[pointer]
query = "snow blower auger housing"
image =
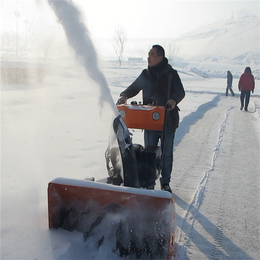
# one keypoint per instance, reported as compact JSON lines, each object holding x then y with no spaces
{"x":139,"y":222}
{"x":126,"y":217}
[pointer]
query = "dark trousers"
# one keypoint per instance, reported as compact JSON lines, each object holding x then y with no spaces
{"x":151,"y":137}
{"x":231,"y":90}
{"x":244,"y":96}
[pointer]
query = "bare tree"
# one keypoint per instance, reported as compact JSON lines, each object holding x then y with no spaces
{"x":119,"y":43}
{"x":172,"y":50}
{"x":43,"y":43}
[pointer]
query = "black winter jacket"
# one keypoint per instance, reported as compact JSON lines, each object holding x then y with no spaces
{"x":154,"y":84}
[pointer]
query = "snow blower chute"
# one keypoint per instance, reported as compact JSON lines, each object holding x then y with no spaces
{"x":123,"y":214}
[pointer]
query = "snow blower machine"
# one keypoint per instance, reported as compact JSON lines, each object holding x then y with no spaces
{"x":124,"y":213}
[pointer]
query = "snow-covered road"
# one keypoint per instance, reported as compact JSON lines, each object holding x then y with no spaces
{"x":216,"y":184}
{"x":57,"y":129}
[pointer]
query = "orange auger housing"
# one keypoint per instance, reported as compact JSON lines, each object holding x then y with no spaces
{"x":143,"y":116}
{"x":122,"y":215}
{"x":142,"y":221}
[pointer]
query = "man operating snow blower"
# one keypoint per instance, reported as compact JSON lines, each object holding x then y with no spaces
{"x":125,"y":216}
{"x":161,"y":86}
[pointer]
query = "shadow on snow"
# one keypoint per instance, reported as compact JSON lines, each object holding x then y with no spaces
{"x":192,"y":119}
{"x":225,"y":243}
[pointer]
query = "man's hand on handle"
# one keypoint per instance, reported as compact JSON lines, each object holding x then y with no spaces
{"x":121,"y":100}
{"x":170,"y":104}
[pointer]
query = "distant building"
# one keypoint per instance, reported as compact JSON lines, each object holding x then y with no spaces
{"x":135,"y":59}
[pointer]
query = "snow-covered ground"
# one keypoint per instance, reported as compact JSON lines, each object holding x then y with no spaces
{"x":234,"y":41}
{"x":58,"y":129}
{"x":61,"y":127}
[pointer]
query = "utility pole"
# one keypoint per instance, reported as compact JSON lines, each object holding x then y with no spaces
{"x":17,"y":15}
{"x":26,"y":23}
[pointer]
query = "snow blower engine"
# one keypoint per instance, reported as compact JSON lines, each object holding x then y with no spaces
{"x":141,"y":166}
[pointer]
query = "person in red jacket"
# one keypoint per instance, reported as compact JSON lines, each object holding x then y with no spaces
{"x":245,"y":85}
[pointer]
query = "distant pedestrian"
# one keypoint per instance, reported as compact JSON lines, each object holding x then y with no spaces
{"x":229,"y":84}
{"x":245,"y":85}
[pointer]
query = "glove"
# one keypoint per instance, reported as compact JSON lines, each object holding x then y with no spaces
{"x":252,"y":91}
{"x":121,"y":100}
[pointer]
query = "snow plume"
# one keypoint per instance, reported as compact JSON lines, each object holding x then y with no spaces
{"x":78,"y":37}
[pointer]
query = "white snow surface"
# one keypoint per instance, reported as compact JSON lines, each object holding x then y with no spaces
{"x":59,"y":129}
{"x":232,"y":42}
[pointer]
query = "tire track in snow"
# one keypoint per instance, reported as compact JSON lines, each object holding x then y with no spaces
{"x":218,"y":238}
{"x":194,"y":205}
{"x":219,"y":232}
{"x":219,"y":250}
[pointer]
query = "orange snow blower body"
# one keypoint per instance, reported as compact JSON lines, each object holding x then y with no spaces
{"x":143,"y":116}
{"x":140,"y":220}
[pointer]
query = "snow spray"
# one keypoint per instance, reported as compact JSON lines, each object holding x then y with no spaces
{"x":78,"y":37}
